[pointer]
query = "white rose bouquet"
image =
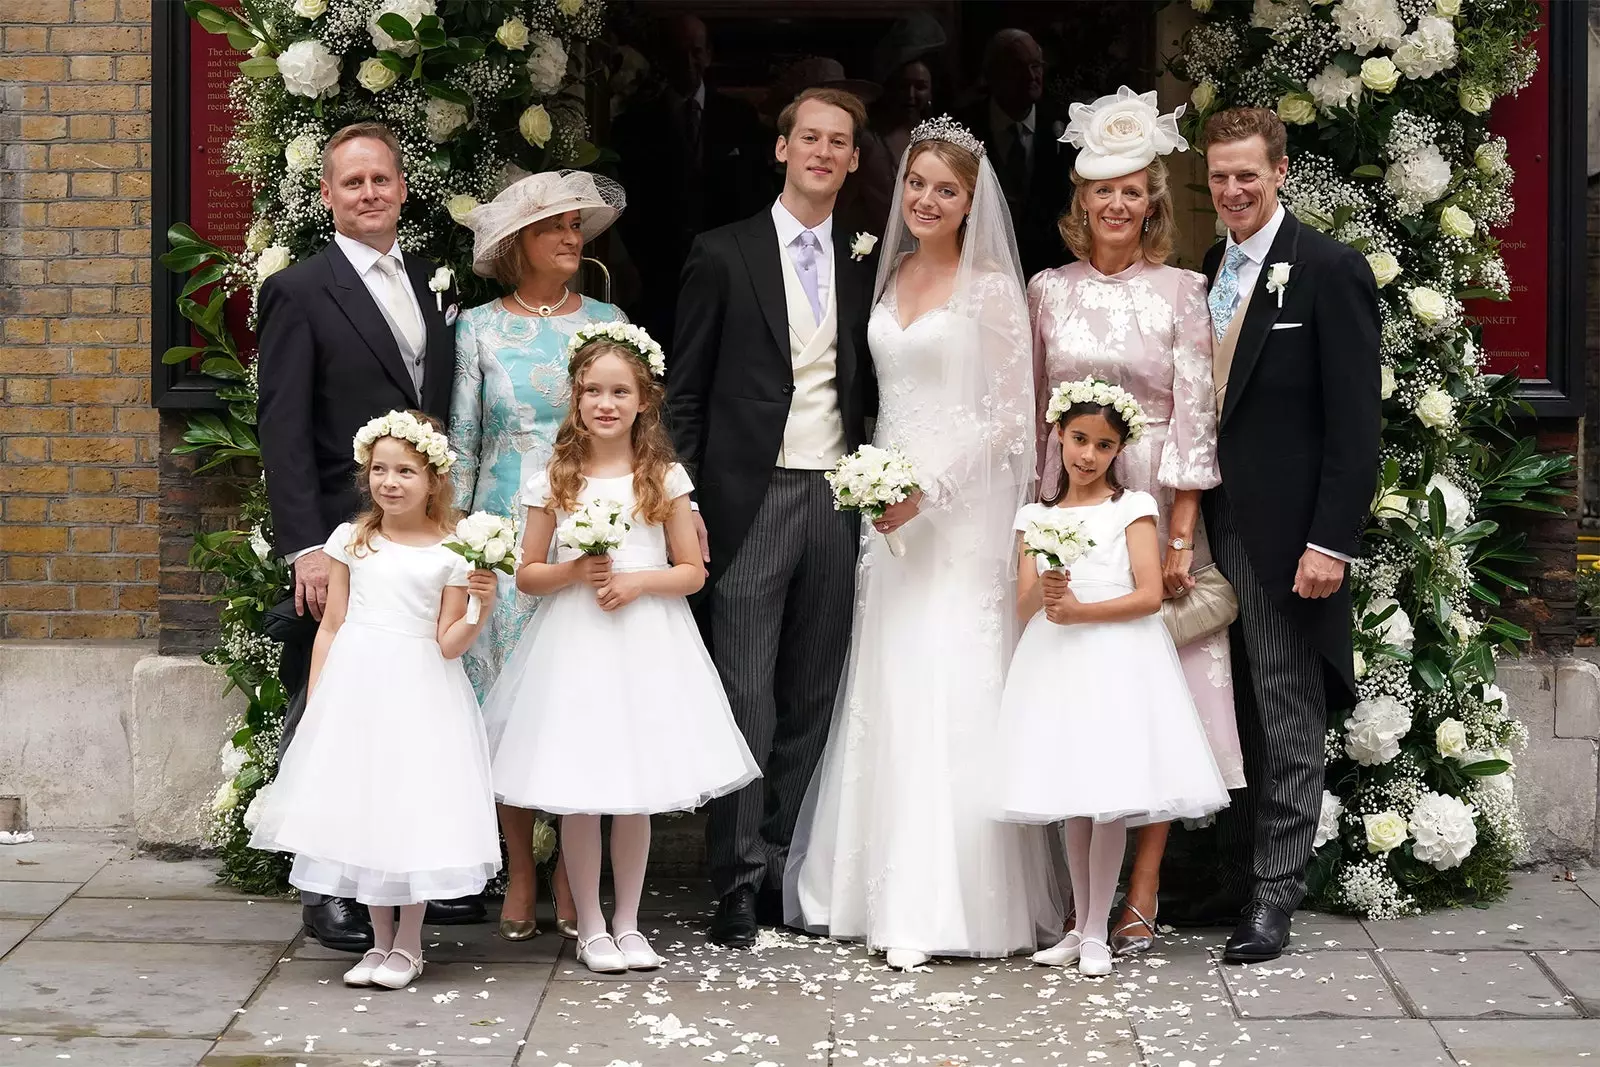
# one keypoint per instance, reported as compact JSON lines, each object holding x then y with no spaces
{"x":488,"y":541}
{"x":596,"y":529}
{"x":1056,"y":539}
{"x":871,"y":479}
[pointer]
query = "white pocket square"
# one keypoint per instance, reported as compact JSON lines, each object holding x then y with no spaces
{"x":1287,"y":325}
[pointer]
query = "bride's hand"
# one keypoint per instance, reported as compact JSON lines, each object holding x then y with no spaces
{"x":897,"y":515}
{"x":1175,"y":577}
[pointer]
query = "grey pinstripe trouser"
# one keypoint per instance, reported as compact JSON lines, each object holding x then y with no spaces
{"x":780,"y":625}
{"x":1281,"y":704}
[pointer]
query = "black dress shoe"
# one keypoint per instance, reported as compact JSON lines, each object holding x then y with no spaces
{"x":1262,"y":934}
{"x":1222,"y":908}
{"x":456,"y":912}
{"x":769,"y":906}
{"x":338,"y":924}
{"x":734,"y":924}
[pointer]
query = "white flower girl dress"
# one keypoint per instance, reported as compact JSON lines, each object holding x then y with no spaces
{"x":615,"y":713}
{"x":1097,"y":721}
{"x":384,"y":794}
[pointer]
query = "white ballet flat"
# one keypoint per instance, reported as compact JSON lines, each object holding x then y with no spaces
{"x":392,"y":977}
{"x":905,"y":959}
{"x":637,"y":959}
{"x":1061,"y":953}
{"x":601,"y":955}
{"x":1093,"y":964}
{"x":361,"y":974}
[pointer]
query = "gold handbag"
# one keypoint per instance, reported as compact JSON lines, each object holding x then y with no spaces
{"x":1204,"y":610}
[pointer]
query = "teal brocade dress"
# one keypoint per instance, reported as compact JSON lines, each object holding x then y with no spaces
{"x":509,"y":398}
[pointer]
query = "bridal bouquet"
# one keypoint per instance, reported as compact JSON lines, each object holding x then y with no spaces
{"x":595,"y":529}
{"x":487,"y":541}
{"x":869,"y":480}
{"x":1056,"y":539}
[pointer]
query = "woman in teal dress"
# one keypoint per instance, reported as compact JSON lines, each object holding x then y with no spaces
{"x":509,"y":399}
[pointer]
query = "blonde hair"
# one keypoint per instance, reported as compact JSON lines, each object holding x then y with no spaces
{"x":1159,"y":234}
{"x":653,"y":454}
{"x":438,"y":507}
{"x":355,"y":131}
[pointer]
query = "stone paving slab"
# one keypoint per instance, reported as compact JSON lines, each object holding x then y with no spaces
{"x":1580,"y":973}
{"x":1538,"y":913}
{"x":1297,"y":1043}
{"x":1313,"y":931}
{"x":57,"y":861}
{"x":100,"y":1052}
{"x":33,"y":900}
{"x":472,"y":943}
{"x":1062,"y":1053}
{"x":779,"y":956}
{"x":97,"y":989}
{"x":12,"y":931}
{"x":1312,"y":985}
{"x":154,"y":879}
{"x":457,"y":1008}
{"x":353,"y":1059}
{"x":1520,"y":1043}
{"x":182,"y":921}
{"x":1476,"y":984}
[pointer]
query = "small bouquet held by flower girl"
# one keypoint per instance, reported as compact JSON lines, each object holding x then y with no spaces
{"x":1056,"y":539}
{"x":488,"y":541}
{"x":595,"y":529}
{"x":869,"y":480}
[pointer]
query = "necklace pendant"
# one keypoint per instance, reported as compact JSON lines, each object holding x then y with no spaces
{"x":544,"y":311}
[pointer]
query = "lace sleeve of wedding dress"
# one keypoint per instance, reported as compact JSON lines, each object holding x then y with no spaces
{"x":1189,"y":458}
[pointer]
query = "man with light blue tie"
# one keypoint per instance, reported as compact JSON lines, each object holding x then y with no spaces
{"x":1296,"y":369}
{"x":769,"y":383}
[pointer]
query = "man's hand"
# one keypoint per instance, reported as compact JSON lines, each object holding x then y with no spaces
{"x":311,"y":583}
{"x":1319,"y":575}
{"x":700,"y":532}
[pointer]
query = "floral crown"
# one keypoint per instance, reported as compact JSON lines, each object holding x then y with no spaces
{"x":634,"y":338}
{"x":1103,"y":393}
{"x":407,"y":427}
{"x":945,"y":128}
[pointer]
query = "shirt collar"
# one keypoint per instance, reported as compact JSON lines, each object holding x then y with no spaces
{"x":1258,"y":244}
{"x":790,"y":227}
{"x":999,"y":120}
{"x":363,"y":257}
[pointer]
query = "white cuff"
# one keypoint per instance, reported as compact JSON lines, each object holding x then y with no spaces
{"x":292,"y":556}
{"x":1329,"y":552}
{"x":693,"y":506}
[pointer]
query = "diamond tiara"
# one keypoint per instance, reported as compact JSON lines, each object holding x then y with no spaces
{"x":945,"y":128}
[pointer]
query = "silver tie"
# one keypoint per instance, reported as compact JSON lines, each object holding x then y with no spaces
{"x":403,"y":314}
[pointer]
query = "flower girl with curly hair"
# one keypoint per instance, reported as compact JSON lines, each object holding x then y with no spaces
{"x":1095,"y":668}
{"x":384,"y":794}
{"x":610,"y":704}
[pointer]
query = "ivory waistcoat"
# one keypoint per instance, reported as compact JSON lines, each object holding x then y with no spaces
{"x":1222,"y":352}
{"x":813,"y":438}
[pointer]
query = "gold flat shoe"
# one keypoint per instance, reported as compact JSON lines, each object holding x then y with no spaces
{"x":567,"y":928}
{"x":519,"y":929}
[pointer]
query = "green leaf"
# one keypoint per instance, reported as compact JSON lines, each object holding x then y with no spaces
{"x":1367,"y":170}
{"x":396,"y":26}
{"x":243,"y":40}
{"x":249,"y":778}
{"x":202,"y":278}
{"x":185,"y":261}
{"x":259,"y":67}
{"x":1480,"y":294}
{"x":430,"y":34}
{"x":1485,"y":768}
{"x":182,"y":353}
{"x":211,"y":18}
{"x":242,"y":737}
{"x":1430,"y":673}
{"x":1509,"y":629}
{"x":446,"y":92}
{"x":394,"y":62}
{"x":439,"y":160}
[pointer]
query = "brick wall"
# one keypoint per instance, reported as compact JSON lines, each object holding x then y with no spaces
{"x":78,"y":438}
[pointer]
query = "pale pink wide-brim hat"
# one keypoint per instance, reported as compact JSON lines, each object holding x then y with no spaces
{"x":597,"y":199}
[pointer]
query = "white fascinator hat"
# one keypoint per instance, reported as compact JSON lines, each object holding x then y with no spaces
{"x":1121,"y":133}
{"x":597,"y":199}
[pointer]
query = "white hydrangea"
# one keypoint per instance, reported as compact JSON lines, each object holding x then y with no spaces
{"x":412,"y":11}
{"x":1328,"y":820}
{"x":1457,"y":512}
{"x":1428,"y":50}
{"x":258,"y":803}
{"x":303,"y":152}
{"x":1418,"y":179}
{"x":1374,"y":729}
{"x":1396,"y":629}
{"x":233,"y":759}
{"x":1443,"y":829}
{"x":309,"y":69}
{"x":547,"y":64}
{"x":1334,"y":88}
{"x":1368,"y":24}
{"x":443,"y":118}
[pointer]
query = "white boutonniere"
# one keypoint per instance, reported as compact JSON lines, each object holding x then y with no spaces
{"x":862,"y":245}
{"x":1278,"y":280}
{"x":442,"y":279}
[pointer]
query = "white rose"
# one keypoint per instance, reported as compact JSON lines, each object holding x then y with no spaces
{"x":1450,"y":738}
{"x":259,"y":236}
{"x":1359,"y":664}
{"x":1443,"y":829}
{"x":535,"y":126}
{"x":1380,"y":74}
{"x":1374,"y":729}
{"x":547,"y":65}
{"x":303,"y":152}
{"x":1396,"y":629}
{"x":443,"y":118}
{"x":1436,"y":409}
{"x":1334,"y":88}
{"x":1457,"y":512}
{"x":1203,"y":96}
{"x":1490,"y":156}
{"x":1448,"y":8}
{"x":227,"y":796}
{"x":271,"y":262}
{"x":570,"y":7}
{"x":1391,"y":506}
{"x":1328,"y":821}
{"x":1474,"y":99}
{"x":310,"y":9}
{"x":1419,"y":179}
{"x":410,"y":10}
{"x":1493,"y":694}
{"x":309,"y":69}
{"x":1368,"y":24}
{"x":459,"y":205}
{"x":1385,"y":830}
{"x":1429,"y":50}
{"x":1386,"y":382}
{"x":374,"y":76}
{"x":513,"y":33}
{"x":1201,"y":6}
{"x":1122,"y":126}
{"x":252,"y":814}
{"x":233,"y":759}
{"x":494,"y":552}
{"x":1385,"y":267}
{"x":1428,"y":305}
{"x":1297,"y":109}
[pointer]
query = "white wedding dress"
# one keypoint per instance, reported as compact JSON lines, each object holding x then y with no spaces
{"x":899,"y":842}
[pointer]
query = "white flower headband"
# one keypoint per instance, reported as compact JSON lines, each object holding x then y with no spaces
{"x":1106,"y":395}
{"x":407,"y":427}
{"x":633,"y":338}
{"x":1121,"y":133}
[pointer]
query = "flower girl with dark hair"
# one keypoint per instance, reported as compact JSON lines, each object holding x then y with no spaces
{"x":610,"y":704}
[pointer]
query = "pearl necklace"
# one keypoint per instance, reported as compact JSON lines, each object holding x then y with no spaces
{"x":544,"y":311}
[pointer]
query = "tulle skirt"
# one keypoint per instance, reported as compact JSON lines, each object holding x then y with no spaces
{"x":618,"y":713}
{"x":1097,"y":722}
{"x":384,"y":794}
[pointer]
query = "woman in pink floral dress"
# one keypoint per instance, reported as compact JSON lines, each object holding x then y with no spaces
{"x":1121,"y":314}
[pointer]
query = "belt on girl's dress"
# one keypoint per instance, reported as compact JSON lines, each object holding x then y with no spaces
{"x":397,"y":622}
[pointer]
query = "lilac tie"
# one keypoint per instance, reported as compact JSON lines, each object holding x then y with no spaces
{"x":805,"y":265}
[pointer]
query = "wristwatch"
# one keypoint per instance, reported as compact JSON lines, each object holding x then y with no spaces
{"x":1178,"y":544}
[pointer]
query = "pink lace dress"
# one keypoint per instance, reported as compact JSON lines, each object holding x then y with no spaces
{"x":1148,"y":330}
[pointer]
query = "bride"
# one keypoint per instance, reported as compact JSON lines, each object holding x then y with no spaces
{"x":896,"y":845}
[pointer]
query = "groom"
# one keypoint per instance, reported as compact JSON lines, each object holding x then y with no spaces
{"x":769,"y":384}
{"x":1295,"y":324}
